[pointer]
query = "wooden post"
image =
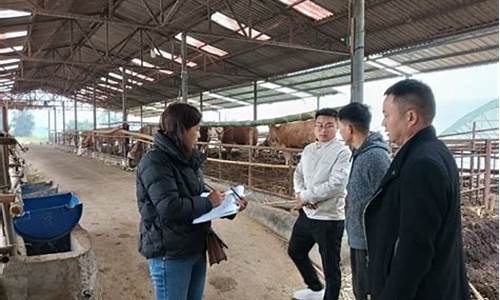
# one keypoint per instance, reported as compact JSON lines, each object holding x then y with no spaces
{"x":250,"y":159}
{"x":220,"y":157}
{"x":471,"y":161}
{"x":290,"y":178}
{"x":487,"y":177}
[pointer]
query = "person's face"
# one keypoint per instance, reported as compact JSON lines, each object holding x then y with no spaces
{"x":346,"y":131}
{"x":395,"y":121}
{"x":192,"y":135}
{"x":325,"y":128}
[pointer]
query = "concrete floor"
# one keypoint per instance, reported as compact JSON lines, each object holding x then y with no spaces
{"x":258,"y":266}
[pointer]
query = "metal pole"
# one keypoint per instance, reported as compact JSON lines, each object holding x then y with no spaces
{"x":124,"y":97}
{"x":95,"y":106}
{"x":55,"y":124}
{"x":48,"y":125}
{"x":141,"y":117}
{"x":317,"y":102}
{"x":77,"y":137}
{"x":64,"y":121}
{"x":184,"y":72}
{"x":5,"y":119}
{"x":109,"y":118}
{"x":76,"y":117}
{"x":357,"y":65}
{"x":255,"y":100}
{"x":201,"y":101}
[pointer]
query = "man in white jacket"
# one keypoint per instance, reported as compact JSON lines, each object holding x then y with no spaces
{"x":320,"y":187}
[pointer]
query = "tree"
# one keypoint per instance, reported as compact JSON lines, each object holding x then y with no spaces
{"x":22,"y":123}
{"x":82,"y":125}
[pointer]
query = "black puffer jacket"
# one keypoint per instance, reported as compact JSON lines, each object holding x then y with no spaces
{"x":168,"y":195}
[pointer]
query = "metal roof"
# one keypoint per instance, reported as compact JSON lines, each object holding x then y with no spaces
{"x":71,"y":44}
{"x":463,"y":50}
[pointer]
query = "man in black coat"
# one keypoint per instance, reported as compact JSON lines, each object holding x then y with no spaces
{"x":412,"y":223}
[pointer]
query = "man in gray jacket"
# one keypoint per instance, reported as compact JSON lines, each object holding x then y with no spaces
{"x":320,"y":181}
{"x":370,"y":161}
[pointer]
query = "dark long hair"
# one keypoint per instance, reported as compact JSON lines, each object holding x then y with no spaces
{"x":176,"y":120}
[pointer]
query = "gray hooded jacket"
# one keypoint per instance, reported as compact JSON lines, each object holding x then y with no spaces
{"x":369,"y":165}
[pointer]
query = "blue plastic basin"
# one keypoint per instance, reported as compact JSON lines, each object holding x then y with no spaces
{"x":49,"y":217}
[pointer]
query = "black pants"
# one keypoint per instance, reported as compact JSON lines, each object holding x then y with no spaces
{"x":328,"y":235}
{"x":359,"y":271}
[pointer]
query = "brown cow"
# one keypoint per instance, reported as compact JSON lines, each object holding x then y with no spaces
{"x":104,"y":138}
{"x":245,"y":135}
{"x":139,"y":148}
{"x":291,"y":135}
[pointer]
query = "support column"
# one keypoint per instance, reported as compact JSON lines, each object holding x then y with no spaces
{"x":317,"y":102}
{"x":5,"y":119}
{"x":95,"y":107}
{"x":109,"y":118}
{"x":141,"y":117}
{"x":64,"y":121}
{"x":184,"y":72}
{"x":76,"y":117}
{"x":255,"y":100}
{"x":124,"y":96}
{"x":358,"y":52}
{"x":48,"y":125}
{"x":55,"y":124}
{"x":201,"y":102}
{"x":77,"y":136}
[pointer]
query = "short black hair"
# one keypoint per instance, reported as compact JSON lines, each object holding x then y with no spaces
{"x":329,"y":112}
{"x":414,"y":93}
{"x":358,"y":115}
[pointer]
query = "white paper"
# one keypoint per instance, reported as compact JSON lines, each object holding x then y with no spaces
{"x":229,"y":206}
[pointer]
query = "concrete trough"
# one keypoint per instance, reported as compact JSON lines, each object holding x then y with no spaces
{"x":67,"y":275}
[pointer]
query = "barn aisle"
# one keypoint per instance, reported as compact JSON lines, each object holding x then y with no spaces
{"x":258,"y":266}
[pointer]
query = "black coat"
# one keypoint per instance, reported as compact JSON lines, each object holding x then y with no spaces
{"x":168,"y":195}
{"x":413,"y":226}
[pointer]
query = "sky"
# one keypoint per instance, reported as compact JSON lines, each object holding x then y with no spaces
{"x":456,"y":91}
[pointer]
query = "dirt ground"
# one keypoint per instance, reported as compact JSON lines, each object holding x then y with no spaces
{"x":253,"y":271}
{"x":258,"y":266}
{"x":480,"y":236}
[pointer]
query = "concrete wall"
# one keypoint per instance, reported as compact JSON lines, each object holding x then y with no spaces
{"x":106,"y":158}
{"x":59,"y":276}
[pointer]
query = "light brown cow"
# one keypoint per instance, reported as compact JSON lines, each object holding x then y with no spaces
{"x":105,"y":139}
{"x":135,"y":154}
{"x":245,"y":135}
{"x":291,"y":135}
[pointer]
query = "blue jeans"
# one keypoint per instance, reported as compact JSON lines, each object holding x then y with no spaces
{"x":178,"y":278}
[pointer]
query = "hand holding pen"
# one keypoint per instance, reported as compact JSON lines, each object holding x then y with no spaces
{"x":215,"y":197}
{"x":243,"y":201}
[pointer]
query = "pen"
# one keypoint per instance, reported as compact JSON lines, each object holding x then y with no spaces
{"x":239,"y":197}
{"x":209,"y":187}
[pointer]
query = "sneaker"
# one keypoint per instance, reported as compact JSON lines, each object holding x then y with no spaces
{"x":308,"y":294}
